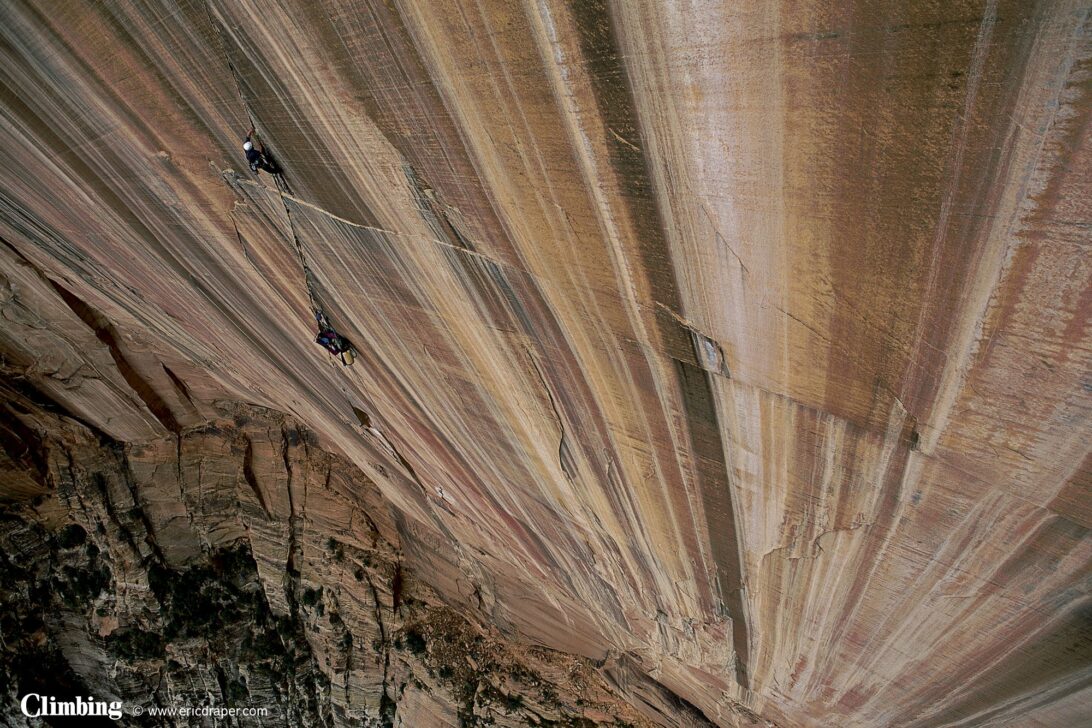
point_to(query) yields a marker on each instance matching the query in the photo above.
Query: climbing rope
(307, 277)
(347, 353)
(278, 179)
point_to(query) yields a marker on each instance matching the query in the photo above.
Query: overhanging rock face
(742, 347)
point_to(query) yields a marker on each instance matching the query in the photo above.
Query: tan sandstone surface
(737, 353)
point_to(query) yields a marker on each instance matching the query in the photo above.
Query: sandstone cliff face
(236, 564)
(740, 349)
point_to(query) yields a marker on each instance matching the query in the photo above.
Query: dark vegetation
(415, 641)
(29, 571)
(205, 599)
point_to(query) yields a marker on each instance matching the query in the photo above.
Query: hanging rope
(307, 278)
(278, 179)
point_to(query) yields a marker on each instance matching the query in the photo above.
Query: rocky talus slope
(718, 362)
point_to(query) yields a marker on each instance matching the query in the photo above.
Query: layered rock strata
(742, 347)
(236, 564)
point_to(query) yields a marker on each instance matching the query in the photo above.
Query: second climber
(332, 341)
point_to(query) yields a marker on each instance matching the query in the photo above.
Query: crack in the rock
(99, 482)
(106, 333)
(562, 447)
(293, 546)
(816, 546)
(242, 245)
(382, 635)
(433, 212)
(180, 386)
(180, 478)
(249, 476)
(130, 483)
(717, 234)
(409, 468)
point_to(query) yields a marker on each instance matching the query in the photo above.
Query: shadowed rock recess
(717, 363)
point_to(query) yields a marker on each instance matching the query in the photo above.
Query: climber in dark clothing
(337, 345)
(332, 341)
(256, 156)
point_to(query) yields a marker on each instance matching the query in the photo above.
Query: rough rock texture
(741, 348)
(235, 564)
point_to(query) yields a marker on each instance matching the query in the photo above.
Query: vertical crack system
(282, 185)
(106, 333)
(564, 457)
(612, 89)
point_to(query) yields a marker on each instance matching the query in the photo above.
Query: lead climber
(332, 341)
(257, 156)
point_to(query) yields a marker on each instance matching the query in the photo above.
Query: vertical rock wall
(741, 347)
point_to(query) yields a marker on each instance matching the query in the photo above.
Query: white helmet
(247, 146)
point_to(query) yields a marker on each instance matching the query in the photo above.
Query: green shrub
(136, 644)
(310, 596)
(71, 536)
(415, 641)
